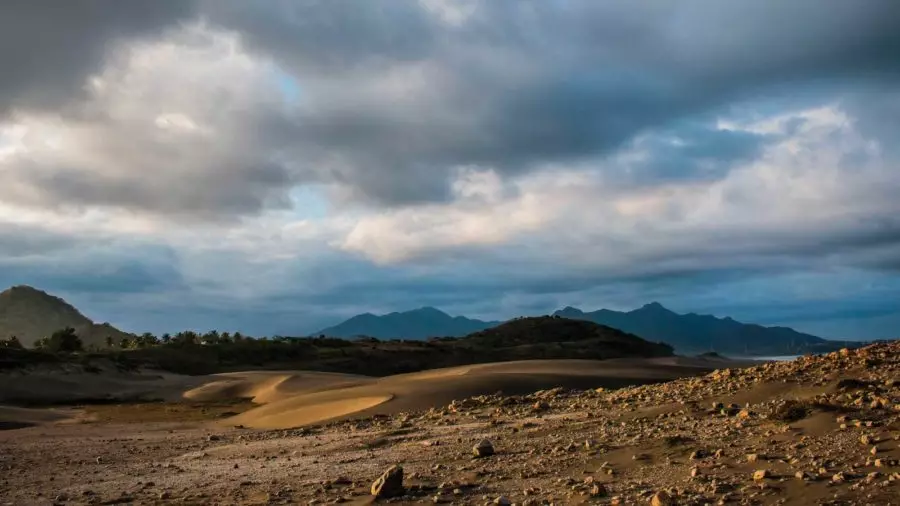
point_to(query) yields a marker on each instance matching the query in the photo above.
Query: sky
(275, 167)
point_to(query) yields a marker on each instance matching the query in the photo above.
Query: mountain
(419, 323)
(31, 314)
(692, 333)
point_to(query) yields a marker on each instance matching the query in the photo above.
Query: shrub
(64, 341)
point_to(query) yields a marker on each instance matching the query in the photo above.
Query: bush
(64, 341)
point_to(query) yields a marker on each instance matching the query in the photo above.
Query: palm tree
(147, 339)
(109, 341)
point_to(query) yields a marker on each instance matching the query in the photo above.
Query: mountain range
(693, 333)
(688, 333)
(419, 323)
(30, 314)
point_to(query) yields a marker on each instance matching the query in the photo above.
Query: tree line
(67, 340)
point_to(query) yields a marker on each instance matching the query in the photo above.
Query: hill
(694, 333)
(419, 323)
(31, 314)
(582, 336)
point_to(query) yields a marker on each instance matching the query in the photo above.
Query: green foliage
(64, 341)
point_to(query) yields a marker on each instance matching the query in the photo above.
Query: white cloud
(168, 125)
(800, 192)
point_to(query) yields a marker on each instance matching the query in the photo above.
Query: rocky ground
(818, 430)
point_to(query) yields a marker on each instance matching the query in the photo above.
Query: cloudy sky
(274, 167)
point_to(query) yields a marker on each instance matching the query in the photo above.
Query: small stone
(761, 474)
(598, 490)
(389, 484)
(483, 449)
(502, 501)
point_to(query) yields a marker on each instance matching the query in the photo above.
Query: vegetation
(61, 341)
(194, 353)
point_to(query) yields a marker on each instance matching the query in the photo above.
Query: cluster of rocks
(820, 429)
(817, 430)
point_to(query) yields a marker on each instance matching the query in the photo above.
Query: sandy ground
(225, 440)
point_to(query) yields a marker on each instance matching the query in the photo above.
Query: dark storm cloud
(87, 268)
(48, 48)
(523, 83)
(391, 99)
(692, 151)
(18, 241)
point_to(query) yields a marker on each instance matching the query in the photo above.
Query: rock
(661, 498)
(389, 484)
(483, 449)
(598, 490)
(761, 474)
(502, 501)
(540, 406)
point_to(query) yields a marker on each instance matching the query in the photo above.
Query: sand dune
(263, 387)
(297, 398)
(422, 390)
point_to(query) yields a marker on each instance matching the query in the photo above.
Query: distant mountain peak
(692, 332)
(654, 308)
(428, 310)
(569, 312)
(420, 323)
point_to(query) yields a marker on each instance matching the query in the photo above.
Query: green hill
(31, 314)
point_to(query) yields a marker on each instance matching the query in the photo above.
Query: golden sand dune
(296, 398)
(309, 409)
(422, 390)
(263, 387)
